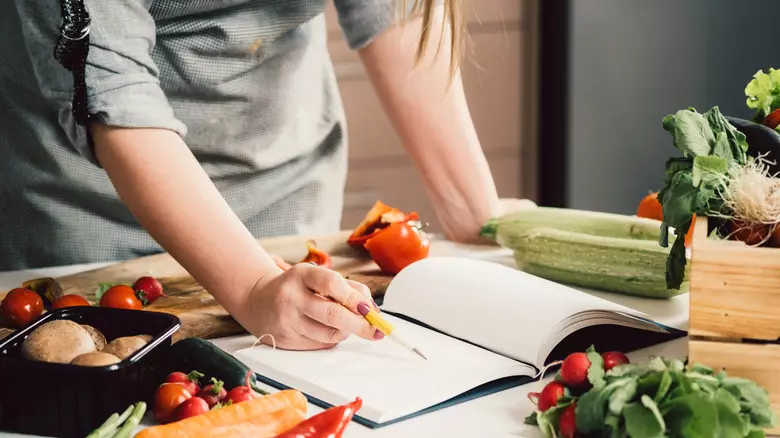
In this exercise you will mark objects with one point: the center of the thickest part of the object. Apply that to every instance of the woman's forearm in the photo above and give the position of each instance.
(432, 118)
(171, 196)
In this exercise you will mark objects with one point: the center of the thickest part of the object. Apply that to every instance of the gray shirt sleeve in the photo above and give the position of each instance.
(363, 20)
(123, 89)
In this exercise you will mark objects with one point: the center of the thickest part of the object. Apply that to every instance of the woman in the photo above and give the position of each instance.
(213, 123)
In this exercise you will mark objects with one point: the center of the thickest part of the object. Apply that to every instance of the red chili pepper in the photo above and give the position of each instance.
(327, 424)
(317, 256)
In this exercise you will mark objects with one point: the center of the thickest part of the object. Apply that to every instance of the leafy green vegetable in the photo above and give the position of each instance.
(763, 93)
(710, 147)
(596, 368)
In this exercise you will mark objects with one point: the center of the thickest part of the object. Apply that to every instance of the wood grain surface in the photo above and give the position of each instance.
(200, 314)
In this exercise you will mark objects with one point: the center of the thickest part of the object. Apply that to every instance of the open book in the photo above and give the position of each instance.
(483, 326)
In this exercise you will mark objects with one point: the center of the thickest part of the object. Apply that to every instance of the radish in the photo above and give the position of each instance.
(191, 407)
(567, 423)
(213, 393)
(241, 393)
(188, 381)
(574, 370)
(148, 289)
(550, 395)
(613, 359)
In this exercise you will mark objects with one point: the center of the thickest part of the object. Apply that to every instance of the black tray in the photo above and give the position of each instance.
(70, 401)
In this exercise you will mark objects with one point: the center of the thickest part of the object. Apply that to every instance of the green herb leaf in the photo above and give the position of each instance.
(675, 263)
(643, 419)
(663, 387)
(763, 93)
(531, 419)
(622, 395)
(692, 134)
(548, 420)
(692, 415)
(708, 171)
(596, 368)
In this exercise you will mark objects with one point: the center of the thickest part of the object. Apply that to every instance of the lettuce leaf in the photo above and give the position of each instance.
(763, 93)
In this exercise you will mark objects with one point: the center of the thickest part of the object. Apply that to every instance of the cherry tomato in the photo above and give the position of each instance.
(189, 381)
(550, 395)
(148, 289)
(772, 120)
(613, 359)
(20, 307)
(397, 246)
(167, 398)
(120, 297)
(191, 407)
(71, 300)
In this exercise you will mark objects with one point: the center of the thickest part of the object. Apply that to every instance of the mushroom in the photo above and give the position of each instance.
(100, 340)
(95, 359)
(58, 341)
(126, 346)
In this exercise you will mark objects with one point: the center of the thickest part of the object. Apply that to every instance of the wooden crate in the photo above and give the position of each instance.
(735, 310)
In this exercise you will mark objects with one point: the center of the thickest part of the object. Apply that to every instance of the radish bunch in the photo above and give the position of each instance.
(556, 404)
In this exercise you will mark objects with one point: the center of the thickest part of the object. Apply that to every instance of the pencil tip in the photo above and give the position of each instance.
(420, 354)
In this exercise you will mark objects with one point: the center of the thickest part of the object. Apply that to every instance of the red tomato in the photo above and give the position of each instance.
(167, 398)
(189, 382)
(574, 370)
(550, 395)
(191, 407)
(20, 307)
(613, 359)
(397, 246)
(772, 119)
(567, 423)
(71, 300)
(650, 208)
(120, 297)
(148, 289)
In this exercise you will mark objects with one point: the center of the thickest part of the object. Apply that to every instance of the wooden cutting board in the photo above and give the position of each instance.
(200, 314)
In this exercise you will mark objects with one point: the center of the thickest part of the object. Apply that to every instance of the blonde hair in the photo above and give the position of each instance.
(453, 21)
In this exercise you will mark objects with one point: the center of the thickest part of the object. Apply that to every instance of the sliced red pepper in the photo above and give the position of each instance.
(369, 223)
(327, 424)
(317, 256)
(383, 221)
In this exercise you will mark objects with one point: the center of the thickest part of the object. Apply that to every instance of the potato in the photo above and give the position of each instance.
(58, 341)
(95, 359)
(100, 340)
(126, 346)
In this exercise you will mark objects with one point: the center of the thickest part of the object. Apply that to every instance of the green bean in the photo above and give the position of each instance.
(132, 422)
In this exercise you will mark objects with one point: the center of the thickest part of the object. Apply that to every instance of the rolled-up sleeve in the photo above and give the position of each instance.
(123, 87)
(363, 20)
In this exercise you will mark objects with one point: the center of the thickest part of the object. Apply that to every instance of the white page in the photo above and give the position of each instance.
(392, 381)
(500, 308)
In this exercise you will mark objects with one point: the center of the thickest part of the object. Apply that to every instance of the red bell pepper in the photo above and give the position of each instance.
(327, 424)
(317, 256)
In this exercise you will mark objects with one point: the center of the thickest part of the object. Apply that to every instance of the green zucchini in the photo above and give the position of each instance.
(623, 265)
(195, 354)
(509, 229)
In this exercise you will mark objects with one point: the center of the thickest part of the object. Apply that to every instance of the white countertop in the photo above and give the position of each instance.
(497, 415)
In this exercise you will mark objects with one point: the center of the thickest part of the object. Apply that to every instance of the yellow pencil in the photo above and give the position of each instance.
(375, 319)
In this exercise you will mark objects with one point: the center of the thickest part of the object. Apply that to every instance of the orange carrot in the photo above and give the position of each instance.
(265, 416)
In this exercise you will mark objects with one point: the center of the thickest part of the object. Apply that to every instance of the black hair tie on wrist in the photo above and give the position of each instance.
(72, 50)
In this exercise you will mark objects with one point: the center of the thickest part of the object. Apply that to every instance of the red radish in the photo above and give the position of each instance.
(188, 381)
(191, 407)
(772, 119)
(574, 370)
(148, 289)
(567, 423)
(550, 395)
(241, 393)
(613, 359)
(213, 393)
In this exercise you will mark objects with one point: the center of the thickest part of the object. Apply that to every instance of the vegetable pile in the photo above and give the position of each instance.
(144, 291)
(121, 425)
(65, 341)
(717, 177)
(605, 395)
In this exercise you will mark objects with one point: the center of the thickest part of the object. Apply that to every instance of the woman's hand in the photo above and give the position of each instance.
(294, 307)
(467, 231)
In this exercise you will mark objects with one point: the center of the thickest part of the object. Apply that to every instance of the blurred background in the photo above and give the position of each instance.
(568, 96)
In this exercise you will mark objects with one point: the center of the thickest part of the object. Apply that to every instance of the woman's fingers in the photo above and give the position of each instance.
(320, 333)
(364, 290)
(331, 284)
(335, 317)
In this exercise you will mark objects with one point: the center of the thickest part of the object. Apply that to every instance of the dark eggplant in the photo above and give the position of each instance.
(761, 140)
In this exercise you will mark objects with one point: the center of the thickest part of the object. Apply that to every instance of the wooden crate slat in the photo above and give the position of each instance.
(758, 362)
(735, 289)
